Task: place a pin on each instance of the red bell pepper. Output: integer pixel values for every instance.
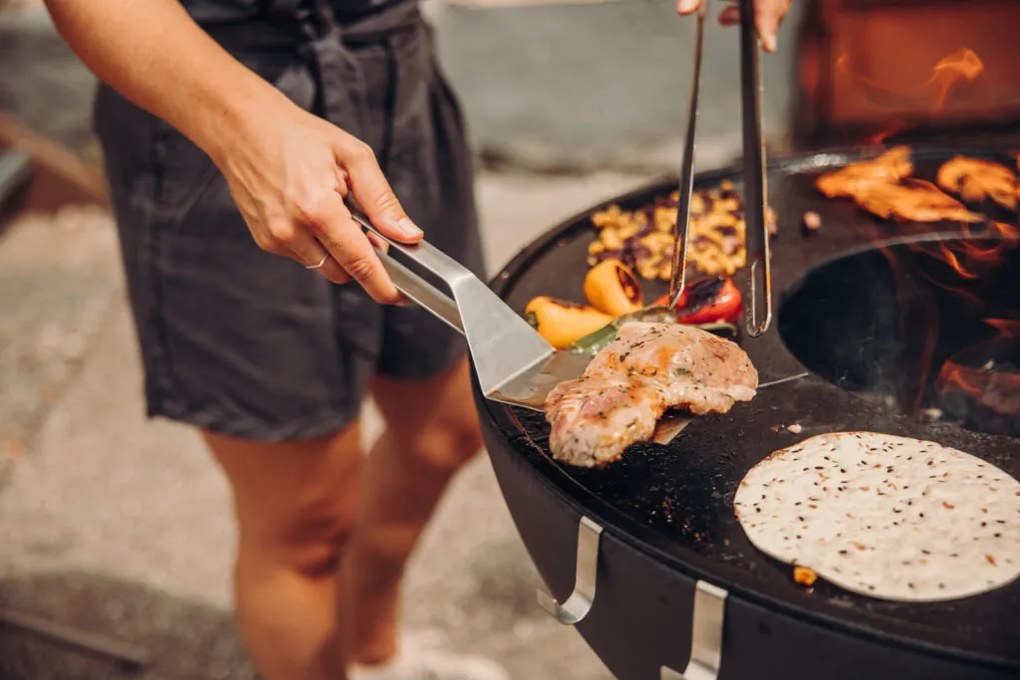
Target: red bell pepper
(707, 300)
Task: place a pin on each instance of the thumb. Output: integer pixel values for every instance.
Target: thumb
(768, 25)
(373, 193)
(768, 15)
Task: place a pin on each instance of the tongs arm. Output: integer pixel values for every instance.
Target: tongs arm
(759, 310)
(678, 274)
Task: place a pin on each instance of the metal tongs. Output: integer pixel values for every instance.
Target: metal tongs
(758, 315)
(514, 364)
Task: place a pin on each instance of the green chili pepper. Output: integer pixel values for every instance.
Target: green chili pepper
(593, 342)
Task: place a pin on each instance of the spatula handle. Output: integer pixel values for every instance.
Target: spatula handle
(423, 254)
(416, 287)
(503, 346)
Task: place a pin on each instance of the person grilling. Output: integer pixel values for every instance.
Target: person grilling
(232, 132)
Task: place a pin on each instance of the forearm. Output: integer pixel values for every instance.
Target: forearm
(154, 54)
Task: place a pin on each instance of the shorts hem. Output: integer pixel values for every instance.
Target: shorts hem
(420, 373)
(251, 429)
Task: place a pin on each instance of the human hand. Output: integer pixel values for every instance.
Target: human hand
(767, 16)
(289, 171)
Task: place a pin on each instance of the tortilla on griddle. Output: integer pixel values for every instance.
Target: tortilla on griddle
(885, 516)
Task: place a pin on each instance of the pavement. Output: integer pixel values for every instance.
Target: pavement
(120, 527)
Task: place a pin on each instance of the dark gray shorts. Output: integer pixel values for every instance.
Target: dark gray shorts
(252, 345)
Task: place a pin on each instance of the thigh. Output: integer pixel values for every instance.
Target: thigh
(296, 502)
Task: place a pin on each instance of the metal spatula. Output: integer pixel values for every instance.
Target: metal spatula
(514, 364)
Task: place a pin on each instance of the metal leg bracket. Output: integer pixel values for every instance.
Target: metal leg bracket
(707, 624)
(580, 601)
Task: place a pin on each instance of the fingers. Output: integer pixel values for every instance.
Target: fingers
(377, 241)
(685, 7)
(768, 14)
(331, 224)
(730, 16)
(307, 250)
(372, 191)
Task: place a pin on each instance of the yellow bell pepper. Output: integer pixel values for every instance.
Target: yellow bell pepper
(561, 322)
(612, 288)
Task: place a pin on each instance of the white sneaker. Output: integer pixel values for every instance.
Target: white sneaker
(414, 662)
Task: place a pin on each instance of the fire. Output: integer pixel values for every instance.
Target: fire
(882, 135)
(967, 257)
(993, 387)
(963, 64)
(983, 377)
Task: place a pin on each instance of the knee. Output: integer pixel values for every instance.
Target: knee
(446, 443)
(310, 541)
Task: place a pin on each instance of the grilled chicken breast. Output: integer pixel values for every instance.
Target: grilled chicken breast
(858, 177)
(629, 385)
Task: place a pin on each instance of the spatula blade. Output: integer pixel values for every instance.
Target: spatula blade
(530, 387)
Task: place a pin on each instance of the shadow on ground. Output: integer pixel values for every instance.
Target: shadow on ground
(182, 639)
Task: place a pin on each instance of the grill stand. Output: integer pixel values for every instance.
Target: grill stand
(707, 622)
(580, 602)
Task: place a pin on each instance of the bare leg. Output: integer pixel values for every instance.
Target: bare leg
(296, 503)
(432, 430)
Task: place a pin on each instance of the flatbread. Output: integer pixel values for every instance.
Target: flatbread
(885, 516)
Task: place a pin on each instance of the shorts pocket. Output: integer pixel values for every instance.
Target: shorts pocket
(182, 170)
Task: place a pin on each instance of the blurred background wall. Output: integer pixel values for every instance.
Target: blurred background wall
(574, 86)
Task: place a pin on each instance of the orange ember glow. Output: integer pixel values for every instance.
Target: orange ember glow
(996, 390)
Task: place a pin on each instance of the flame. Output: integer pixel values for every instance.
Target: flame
(967, 257)
(995, 390)
(968, 260)
(879, 137)
(963, 65)
(1008, 328)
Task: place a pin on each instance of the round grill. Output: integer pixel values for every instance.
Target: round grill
(667, 510)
